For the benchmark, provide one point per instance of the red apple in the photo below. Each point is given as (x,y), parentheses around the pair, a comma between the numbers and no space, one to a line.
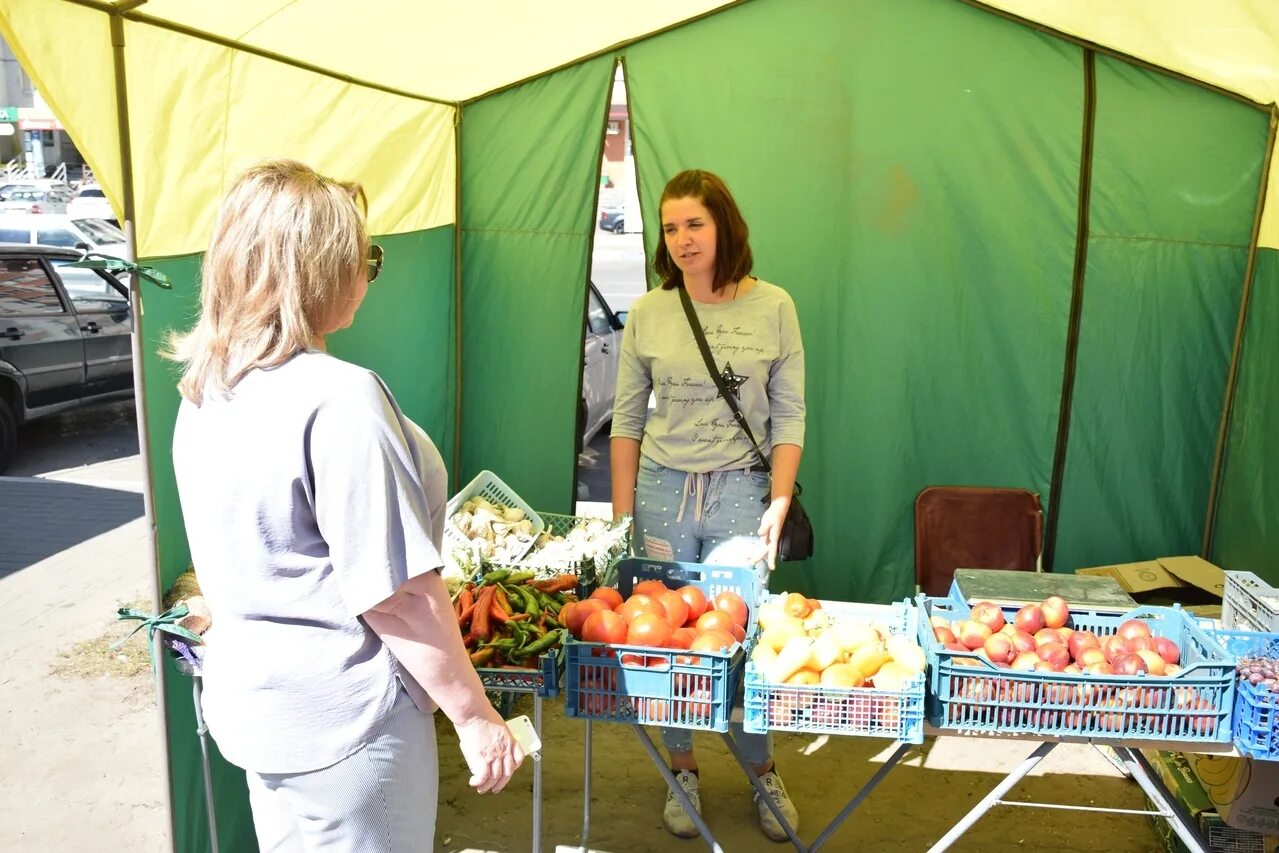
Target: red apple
(1090,656)
(972,634)
(999,648)
(1138,644)
(988,614)
(1074,669)
(1055,655)
(1080,640)
(939,621)
(1022,641)
(1155,664)
(1026,661)
(957,646)
(1168,650)
(944,635)
(1009,629)
(1044,636)
(1029,619)
(1055,611)
(1134,628)
(1102,668)
(1130,664)
(1115,647)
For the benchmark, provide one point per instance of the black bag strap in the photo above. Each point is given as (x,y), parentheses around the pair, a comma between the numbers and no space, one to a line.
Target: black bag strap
(700,337)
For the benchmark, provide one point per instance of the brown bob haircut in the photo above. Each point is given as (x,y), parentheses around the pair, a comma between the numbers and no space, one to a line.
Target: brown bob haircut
(733,259)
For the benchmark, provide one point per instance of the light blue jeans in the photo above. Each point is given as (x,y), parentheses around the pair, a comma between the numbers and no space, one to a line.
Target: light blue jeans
(380,799)
(703,518)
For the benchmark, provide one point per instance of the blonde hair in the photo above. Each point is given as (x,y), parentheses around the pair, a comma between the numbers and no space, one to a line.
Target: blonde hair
(288,248)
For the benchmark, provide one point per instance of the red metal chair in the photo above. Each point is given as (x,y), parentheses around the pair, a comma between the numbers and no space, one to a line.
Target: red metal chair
(969,527)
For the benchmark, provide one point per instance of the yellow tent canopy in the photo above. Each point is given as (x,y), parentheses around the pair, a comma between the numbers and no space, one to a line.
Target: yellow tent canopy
(373,91)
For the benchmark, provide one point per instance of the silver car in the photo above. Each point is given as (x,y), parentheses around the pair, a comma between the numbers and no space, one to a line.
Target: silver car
(70,232)
(601,351)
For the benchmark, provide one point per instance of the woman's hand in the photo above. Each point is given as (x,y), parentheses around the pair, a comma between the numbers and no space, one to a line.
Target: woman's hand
(770,530)
(491,752)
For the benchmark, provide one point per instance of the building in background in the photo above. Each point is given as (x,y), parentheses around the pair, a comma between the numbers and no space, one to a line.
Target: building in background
(29,131)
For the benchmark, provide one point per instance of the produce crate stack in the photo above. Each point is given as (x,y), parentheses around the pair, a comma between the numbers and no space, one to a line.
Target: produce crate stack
(1256,711)
(836,668)
(510,624)
(1150,674)
(1249,604)
(664,647)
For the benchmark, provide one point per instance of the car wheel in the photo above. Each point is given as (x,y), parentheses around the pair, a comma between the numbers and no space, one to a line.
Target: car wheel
(8,435)
(619,227)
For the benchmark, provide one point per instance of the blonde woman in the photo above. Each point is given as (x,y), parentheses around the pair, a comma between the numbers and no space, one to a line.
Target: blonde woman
(314,509)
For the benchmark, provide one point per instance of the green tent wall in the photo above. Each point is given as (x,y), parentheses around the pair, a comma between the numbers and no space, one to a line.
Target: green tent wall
(913,172)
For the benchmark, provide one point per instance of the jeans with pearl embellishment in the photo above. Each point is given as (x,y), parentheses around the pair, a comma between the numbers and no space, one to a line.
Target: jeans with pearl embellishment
(703,518)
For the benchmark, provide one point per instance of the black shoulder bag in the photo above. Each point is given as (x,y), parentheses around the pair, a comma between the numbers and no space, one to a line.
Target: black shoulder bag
(796,542)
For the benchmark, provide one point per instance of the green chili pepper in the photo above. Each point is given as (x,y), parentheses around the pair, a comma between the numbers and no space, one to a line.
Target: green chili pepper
(496,576)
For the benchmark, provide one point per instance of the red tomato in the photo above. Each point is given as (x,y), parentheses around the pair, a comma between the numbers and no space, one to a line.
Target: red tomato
(676,608)
(576,617)
(695,599)
(648,629)
(715,620)
(682,638)
(652,588)
(611,597)
(732,604)
(640,603)
(604,626)
(713,641)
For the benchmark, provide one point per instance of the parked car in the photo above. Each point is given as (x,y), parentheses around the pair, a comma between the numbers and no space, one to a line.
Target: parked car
(613,219)
(11,187)
(601,351)
(36,198)
(65,338)
(90,202)
(63,230)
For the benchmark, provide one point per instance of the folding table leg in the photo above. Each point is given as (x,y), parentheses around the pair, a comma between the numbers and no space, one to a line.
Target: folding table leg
(537,777)
(763,794)
(202,732)
(586,786)
(993,797)
(872,784)
(680,793)
(1139,768)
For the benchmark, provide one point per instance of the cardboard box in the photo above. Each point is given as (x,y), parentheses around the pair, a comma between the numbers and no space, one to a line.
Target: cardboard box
(1175,775)
(1243,791)
(1192,582)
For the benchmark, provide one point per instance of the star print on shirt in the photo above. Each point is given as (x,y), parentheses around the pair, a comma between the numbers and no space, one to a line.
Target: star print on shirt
(732,381)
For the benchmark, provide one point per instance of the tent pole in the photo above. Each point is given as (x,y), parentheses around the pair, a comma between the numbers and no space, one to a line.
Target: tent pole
(139,383)
(1076,309)
(1236,351)
(457,294)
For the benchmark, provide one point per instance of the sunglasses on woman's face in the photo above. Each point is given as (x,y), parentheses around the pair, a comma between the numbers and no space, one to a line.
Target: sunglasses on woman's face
(375,260)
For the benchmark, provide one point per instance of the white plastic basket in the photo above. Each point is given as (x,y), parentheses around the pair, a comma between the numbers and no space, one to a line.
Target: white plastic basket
(1250,604)
(489,486)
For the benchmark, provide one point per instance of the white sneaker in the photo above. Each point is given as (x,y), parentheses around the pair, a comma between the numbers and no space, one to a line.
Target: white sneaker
(777,793)
(674,818)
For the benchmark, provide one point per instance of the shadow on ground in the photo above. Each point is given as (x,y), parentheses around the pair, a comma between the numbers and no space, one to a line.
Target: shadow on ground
(44,517)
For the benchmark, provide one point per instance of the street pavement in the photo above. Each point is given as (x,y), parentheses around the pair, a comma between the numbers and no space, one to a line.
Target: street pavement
(81,759)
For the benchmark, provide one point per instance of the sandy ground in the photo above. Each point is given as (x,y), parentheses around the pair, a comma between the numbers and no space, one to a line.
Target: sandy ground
(915,806)
(81,759)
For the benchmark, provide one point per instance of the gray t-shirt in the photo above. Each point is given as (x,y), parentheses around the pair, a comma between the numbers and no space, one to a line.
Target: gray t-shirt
(308,498)
(691,428)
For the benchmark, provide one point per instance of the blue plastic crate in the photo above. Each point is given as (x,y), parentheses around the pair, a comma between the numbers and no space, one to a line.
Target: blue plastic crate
(859,711)
(668,687)
(1256,731)
(969,693)
(544,680)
